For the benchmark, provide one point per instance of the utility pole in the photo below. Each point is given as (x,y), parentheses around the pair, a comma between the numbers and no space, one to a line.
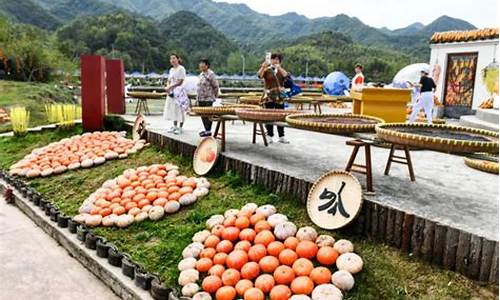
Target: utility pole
(307,69)
(243,71)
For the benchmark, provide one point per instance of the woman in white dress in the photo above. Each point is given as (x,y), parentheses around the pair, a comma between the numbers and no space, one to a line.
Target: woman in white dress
(177,100)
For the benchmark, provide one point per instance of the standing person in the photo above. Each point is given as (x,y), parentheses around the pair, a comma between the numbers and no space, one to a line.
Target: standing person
(426,99)
(208,90)
(274,76)
(177,100)
(359,79)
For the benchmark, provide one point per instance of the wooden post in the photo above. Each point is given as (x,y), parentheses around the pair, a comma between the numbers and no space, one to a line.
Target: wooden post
(115,86)
(93,91)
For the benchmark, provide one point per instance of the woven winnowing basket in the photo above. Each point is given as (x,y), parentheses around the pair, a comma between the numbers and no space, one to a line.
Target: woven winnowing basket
(221,110)
(482,165)
(389,133)
(265,115)
(300,121)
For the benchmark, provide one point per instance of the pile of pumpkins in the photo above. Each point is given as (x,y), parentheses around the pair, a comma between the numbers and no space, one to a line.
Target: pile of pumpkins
(148,192)
(254,252)
(4,116)
(463,36)
(79,151)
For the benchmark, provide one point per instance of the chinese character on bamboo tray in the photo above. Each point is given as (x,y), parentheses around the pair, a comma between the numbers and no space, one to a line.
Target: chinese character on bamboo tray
(334,200)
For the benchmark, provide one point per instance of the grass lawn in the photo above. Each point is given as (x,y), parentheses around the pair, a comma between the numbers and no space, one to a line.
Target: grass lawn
(33,96)
(388,273)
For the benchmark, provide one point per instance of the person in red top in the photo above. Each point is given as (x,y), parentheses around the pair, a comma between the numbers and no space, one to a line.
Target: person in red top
(359,79)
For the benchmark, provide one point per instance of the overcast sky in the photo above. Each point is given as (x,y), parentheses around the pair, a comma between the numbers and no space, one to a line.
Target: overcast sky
(379,13)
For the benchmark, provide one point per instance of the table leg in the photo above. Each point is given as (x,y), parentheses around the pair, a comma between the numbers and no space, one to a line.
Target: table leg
(223,144)
(146,108)
(389,160)
(217,127)
(137,106)
(410,165)
(368,162)
(319,107)
(263,133)
(254,134)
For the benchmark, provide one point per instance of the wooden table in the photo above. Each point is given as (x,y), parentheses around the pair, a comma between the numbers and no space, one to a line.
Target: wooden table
(142,100)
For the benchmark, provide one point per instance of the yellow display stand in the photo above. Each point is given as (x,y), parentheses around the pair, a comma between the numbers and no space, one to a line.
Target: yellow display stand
(388,104)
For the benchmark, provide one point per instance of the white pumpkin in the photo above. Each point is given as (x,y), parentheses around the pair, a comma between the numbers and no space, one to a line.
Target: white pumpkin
(134,211)
(109,220)
(99,160)
(146,208)
(343,246)
(276,219)
(141,216)
(201,236)
(202,296)
(190,289)
(60,169)
(250,207)
(131,151)
(124,221)
(300,297)
(187,263)
(214,221)
(109,183)
(173,172)
(192,250)
(284,230)
(87,163)
(171,207)
(187,199)
(156,213)
(110,155)
(122,155)
(44,173)
(93,220)
(326,292)
(350,262)
(85,208)
(343,280)
(200,192)
(188,276)
(231,213)
(325,240)
(73,166)
(307,233)
(266,210)
(80,218)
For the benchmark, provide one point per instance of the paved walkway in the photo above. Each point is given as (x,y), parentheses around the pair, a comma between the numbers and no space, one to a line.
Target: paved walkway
(446,190)
(34,266)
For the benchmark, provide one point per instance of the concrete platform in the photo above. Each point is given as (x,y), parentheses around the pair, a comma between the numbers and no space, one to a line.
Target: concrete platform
(483,119)
(36,267)
(446,191)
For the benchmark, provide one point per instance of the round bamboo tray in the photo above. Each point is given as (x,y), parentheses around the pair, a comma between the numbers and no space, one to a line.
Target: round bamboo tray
(252,100)
(300,99)
(334,123)
(434,121)
(221,110)
(482,165)
(265,115)
(440,137)
(147,95)
(238,95)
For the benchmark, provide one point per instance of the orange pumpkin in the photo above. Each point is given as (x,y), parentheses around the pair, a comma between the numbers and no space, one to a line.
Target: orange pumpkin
(247,234)
(283,275)
(242,286)
(268,264)
(243,245)
(237,259)
(275,248)
(220,258)
(327,256)
(242,223)
(254,294)
(257,252)
(291,243)
(230,233)
(280,292)
(229,221)
(306,249)
(225,293)
(208,253)
(264,237)
(265,283)
(287,257)
(203,264)
(256,218)
(250,270)
(212,241)
(216,270)
(230,277)
(262,225)
(217,230)
(302,285)
(211,284)
(320,275)
(302,267)
(224,246)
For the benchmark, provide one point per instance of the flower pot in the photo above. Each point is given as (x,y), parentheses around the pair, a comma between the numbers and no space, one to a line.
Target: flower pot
(47,208)
(54,212)
(102,248)
(143,279)
(62,220)
(128,267)
(72,226)
(91,241)
(81,232)
(158,290)
(36,199)
(114,256)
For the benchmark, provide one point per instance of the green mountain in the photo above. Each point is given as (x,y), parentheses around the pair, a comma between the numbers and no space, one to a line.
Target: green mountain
(445,23)
(68,10)
(145,44)
(28,12)
(328,51)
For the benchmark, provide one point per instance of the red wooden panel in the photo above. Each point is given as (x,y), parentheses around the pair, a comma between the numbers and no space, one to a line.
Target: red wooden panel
(115,86)
(93,78)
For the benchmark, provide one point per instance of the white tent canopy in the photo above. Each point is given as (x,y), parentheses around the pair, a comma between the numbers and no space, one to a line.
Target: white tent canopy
(410,73)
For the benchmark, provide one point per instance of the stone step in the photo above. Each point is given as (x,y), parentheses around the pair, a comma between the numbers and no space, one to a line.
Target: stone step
(488,115)
(474,121)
